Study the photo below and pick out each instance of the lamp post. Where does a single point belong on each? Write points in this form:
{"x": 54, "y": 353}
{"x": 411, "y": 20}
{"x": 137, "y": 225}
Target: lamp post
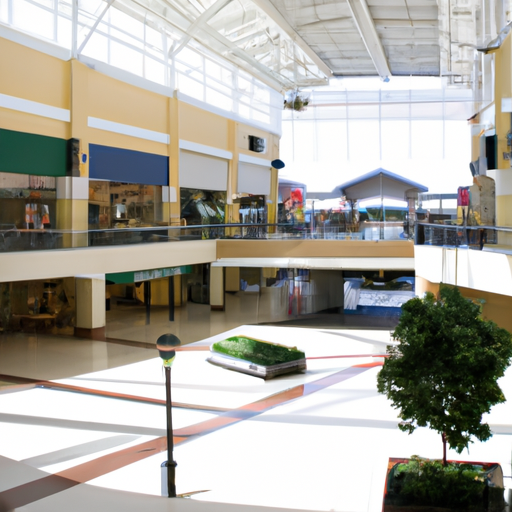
{"x": 165, "y": 345}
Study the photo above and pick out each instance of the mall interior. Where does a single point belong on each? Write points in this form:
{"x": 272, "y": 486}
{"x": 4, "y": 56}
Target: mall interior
{"x": 141, "y": 195}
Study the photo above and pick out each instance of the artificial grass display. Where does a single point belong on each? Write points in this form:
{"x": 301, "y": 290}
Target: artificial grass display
{"x": 257, "y": 351}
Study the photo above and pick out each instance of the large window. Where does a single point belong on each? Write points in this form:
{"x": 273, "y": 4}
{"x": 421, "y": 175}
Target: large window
{"x": 422, "y": 135}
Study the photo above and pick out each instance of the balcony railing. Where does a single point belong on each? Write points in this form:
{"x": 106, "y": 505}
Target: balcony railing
{"x": 14, "y": 239}
{"x": 490, "y": 238}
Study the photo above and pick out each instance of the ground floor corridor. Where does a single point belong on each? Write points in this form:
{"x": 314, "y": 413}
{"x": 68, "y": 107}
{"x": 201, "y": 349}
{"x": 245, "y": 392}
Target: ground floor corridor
{"x": 83, "y": 422}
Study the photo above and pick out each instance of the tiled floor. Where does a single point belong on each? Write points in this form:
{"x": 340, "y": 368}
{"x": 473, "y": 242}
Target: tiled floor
{"x": 83, "y": 426}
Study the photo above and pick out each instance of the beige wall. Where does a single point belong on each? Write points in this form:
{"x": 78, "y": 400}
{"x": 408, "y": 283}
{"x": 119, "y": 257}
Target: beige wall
{"x": 34, "y": 76}
{"x": 496, "y": 307}
{"x": 480, "y": 270}
{"x": 22, "y": 266}
{"x": 313, "y": 249}
{"x": 203, "y": 127}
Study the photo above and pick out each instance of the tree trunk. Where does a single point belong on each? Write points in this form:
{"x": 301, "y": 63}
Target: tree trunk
{"x": 443, "y": 437}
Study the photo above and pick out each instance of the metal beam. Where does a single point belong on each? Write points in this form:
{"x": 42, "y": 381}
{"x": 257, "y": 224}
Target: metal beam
{"x": 199, "y": 23}
{"x": 268, "y": 8}
{"x": 93, "y": 28}
{"x": 364, "y": 22}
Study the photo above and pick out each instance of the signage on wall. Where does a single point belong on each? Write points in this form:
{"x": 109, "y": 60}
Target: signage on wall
{"x": 257, "y": 144}
{"x": 147, "y": 275}
{"x": 158, "y": 273}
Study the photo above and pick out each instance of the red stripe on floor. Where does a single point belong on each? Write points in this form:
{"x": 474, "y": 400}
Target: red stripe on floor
{"x": 39, "y": 489}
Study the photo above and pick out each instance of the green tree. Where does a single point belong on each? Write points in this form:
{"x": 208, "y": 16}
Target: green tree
{"x": 443, "y": 371}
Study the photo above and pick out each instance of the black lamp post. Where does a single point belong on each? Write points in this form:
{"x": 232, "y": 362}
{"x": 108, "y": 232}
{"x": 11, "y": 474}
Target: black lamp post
{"x": 165, "y": 345}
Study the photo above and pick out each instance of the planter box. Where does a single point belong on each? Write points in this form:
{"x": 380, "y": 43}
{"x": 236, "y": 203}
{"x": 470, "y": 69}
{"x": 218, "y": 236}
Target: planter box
{"x": 490, "y": 481}
{"x": 256, "y": 357}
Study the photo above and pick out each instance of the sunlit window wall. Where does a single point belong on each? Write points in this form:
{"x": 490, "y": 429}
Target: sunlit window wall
{"x": 129, "y": 38}
{"x": 420, "y": 134}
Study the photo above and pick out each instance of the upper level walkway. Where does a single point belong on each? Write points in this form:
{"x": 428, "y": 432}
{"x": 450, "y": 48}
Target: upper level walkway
{"x": 187, "y": 246}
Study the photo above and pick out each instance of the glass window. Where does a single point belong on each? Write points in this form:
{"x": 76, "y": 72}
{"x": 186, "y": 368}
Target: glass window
{"x": 125, "y": 58}
{"x": 27, "y": 202}
{"x": 304, "y": 141}
{"x": 120, "y": 205}
{"x": 395, "y": 140}
{"x": 64, "y": 32}
{"x": 32, "y": 18}
{"x": 331, "y": 140}
{"x": 97, "y": 47}
{"x": 457, "y": 140}
{"x": 363, "y": 141}
{"x": 202, "y": 206}
{"x": 154, "y": 70}
{"x": 427, "y": 139}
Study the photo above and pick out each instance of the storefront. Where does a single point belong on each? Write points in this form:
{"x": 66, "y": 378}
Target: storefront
{"x": 127, "y": 188}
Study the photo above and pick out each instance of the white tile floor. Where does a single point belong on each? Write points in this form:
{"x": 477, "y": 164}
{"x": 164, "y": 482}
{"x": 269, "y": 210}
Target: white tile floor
{"x": 321, "y": 443}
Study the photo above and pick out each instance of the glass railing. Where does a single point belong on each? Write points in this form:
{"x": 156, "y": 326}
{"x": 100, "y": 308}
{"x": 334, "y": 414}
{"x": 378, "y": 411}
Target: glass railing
{"x": 14, "y": 239}
{"x": 496, "y": 238}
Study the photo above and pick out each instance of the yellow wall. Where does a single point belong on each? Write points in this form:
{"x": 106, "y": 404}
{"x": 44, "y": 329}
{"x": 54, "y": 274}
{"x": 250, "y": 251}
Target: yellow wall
{"x": 503, "y": 89}
{"x": 203, "y": 127}
{"x": 71, "y": 85}
{"x": 34, "y": 76}
{"x": 313, "y": 249}
{"x": 117, "y": 101}
{"x": 496, "y": 307}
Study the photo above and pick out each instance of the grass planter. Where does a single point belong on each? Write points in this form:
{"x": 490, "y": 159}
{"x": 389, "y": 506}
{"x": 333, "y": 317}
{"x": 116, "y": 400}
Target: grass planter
{"x": 257, "y": 357}
{"x": 422, "y": 485}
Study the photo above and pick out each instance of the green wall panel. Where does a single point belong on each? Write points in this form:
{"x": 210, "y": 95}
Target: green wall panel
{"x": 27, "y": 153}
{"x": 147, "y": 275}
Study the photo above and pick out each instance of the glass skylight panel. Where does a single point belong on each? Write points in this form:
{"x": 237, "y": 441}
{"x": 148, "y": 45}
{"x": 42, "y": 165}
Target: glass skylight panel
{"x": 91, "y": 6}
{"x": 4, "y": 11}
{"x": 190, "y": 87}
{"x": 44, "y": 3}
{"x": 64, "y": 32}
{"x": 125, "y": 23}
{"x": 154, "y": 70}
{"x": 32, "y": 18}
{"x": 190, "y": 59}
{"x": 218, "y": 99}
{"x": 97, "y": 47}
{"x": 125, "y": 58}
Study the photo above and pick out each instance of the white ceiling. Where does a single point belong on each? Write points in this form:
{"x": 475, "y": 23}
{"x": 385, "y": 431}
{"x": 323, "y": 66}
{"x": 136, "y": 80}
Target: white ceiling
{"x": 397, "y": 37}
{"x": 292, "y": 44}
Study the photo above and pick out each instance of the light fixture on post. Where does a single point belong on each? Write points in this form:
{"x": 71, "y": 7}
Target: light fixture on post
{"x": 165, "y": 345}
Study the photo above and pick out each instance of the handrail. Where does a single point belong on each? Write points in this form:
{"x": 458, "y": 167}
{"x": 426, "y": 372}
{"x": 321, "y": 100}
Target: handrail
{"x": 458, "y": 235}
{"x": 12, "y": 240}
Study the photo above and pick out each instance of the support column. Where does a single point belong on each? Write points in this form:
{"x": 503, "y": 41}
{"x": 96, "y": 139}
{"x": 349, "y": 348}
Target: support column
{"x": 217, "y": 288}
{"x": 73, "y": 210}
{"x": 90, "y": 307}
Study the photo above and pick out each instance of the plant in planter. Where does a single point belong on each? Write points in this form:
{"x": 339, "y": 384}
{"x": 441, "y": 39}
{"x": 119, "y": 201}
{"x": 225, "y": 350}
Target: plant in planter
{"x": 443, "y": 372}
{"x": 296, "y": 100}
{"x": 417, "y": 483}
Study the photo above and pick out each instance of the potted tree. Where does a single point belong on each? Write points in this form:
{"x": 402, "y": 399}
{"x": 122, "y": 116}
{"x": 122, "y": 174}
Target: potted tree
{"x": 443, "y": 374}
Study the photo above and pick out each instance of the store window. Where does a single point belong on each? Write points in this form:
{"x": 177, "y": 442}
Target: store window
{"x": 27, "y": 202}
{"x": 200, "y": 207}
{"x": 120, "y": 205}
